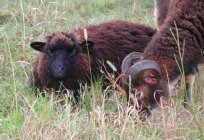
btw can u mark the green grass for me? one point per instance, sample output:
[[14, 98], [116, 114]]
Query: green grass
[[23, 116]]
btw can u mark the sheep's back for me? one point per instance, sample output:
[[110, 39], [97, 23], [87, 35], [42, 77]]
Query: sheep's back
[[114, 40]]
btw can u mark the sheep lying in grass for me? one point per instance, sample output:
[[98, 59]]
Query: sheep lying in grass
[[175, 49], [66, 58]]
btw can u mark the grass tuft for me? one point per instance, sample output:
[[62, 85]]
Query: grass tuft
[[101, 113]]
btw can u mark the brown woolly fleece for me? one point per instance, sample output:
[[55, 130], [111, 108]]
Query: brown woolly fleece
[[185, 18], [112, 41]]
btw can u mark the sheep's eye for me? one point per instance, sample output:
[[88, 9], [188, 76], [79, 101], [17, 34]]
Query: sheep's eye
[[70, 50], [50, 51]]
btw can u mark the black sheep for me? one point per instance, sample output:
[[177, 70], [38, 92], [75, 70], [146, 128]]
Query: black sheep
[[64, 58]]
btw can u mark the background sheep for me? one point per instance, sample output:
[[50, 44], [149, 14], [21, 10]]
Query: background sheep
[[64, 56], [159, 68]]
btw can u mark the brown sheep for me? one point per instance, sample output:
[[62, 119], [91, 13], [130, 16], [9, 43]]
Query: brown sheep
[[160, 66], [64, 58]]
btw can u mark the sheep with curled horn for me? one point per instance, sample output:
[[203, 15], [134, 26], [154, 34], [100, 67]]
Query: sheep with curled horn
[[141, 82], [162, 65], [66, 58]]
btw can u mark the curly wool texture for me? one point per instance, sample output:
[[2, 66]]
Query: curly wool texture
[[112, 41], [183, 29]]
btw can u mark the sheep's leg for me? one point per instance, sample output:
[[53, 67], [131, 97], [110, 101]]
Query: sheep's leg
[[190, 78], [161, 11]]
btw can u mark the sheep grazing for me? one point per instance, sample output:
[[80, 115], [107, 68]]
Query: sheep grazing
[[64, 57], [177, 45]]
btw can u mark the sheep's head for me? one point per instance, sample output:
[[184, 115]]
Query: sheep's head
[[61, 50], [141, 81]]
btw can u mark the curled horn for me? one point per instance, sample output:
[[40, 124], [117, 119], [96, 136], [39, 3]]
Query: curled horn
[[142, 65], [129, 60]]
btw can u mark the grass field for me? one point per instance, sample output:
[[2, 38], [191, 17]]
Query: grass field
[[24, 117]]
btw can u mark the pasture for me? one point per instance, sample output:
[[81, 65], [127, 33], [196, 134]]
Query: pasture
[[25, 117]]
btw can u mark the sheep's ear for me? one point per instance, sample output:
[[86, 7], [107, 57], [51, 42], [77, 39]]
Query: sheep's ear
[[38, 46], [87, 44]]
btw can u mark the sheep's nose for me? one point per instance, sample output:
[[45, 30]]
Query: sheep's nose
[[60, 67], [59, 71]]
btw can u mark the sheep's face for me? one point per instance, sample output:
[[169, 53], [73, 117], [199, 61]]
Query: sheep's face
[[60, 57], [141, 81], [61, 60], [61, 50], [145, 92]]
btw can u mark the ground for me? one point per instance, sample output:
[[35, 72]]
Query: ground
[[23, 116]]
